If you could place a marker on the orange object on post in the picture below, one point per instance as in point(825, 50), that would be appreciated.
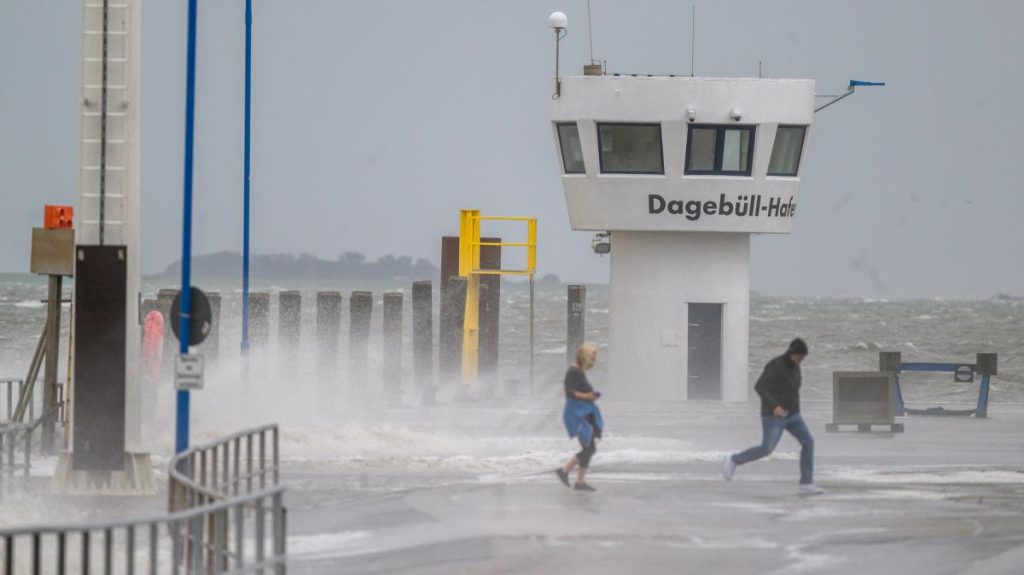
point(58, 217)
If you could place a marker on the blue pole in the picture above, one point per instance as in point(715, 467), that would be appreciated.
point(181, 429)
point(245, 179)
point(982, 410)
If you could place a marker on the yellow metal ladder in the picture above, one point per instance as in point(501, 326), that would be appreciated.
point(469, 268)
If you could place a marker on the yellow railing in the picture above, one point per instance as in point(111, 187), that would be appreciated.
point(469, 268)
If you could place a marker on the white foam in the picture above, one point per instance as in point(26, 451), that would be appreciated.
point(889, 494)
point(321, 544)
point(939, 476)
point(396, 448)
point(808, 561)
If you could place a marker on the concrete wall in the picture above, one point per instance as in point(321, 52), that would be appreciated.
point(654, 275)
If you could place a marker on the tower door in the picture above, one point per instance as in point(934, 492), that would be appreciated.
point(704, 357)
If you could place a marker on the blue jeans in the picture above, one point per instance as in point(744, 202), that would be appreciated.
point(773, 427)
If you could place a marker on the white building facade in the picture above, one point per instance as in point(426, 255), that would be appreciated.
point(681, 171)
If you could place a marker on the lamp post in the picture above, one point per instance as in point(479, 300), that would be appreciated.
point(181, 427)
point(245, 182)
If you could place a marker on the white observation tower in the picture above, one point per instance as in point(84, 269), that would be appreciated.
point(680, 171)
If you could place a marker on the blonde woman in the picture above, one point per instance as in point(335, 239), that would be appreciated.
point(581, 416)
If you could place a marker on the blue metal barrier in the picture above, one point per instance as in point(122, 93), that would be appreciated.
point(980, 411)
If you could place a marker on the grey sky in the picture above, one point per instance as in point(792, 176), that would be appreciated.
point(374, 122)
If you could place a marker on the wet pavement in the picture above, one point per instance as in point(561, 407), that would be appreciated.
point(947, 496)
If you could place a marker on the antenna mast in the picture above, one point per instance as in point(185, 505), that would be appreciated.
point(693, 34)
point(590, 33)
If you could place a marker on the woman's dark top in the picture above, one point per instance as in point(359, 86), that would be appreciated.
point(576, 380)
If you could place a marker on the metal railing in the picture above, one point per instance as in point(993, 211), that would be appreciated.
point(12, 392)
point(15, 452)
point(232, 467)
point(218, 521)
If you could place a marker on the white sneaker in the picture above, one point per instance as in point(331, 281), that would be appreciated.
point(728, 467)
point(808, 489)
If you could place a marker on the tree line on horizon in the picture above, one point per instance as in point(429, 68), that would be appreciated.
point(349, 265)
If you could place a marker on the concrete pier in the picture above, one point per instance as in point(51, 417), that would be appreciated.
point(328, 327)
point(164, 300)
point(392, 347)
point(454, 313)
point(211, 346)
point(360, 314)
point(490, 317)
point(423, 339)
point(449, 358)
point(289, 325)
point(259, 319)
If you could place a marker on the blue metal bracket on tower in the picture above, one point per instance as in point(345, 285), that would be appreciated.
point(850, 89)
point(855, 83)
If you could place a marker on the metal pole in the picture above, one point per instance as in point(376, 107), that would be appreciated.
point(575, 321)
point(558, 79)
point(25, 391)
point(50, 370)
point(181, 434)
point(531, 334)
point(245, 179)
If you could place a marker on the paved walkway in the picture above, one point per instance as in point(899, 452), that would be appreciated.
point(945, 497)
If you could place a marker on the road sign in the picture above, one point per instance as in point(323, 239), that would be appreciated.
point(188, 371)
point(963, 374)
point(201, 321)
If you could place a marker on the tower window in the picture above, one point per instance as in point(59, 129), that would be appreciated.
point(719, 150)
point(789, 143)
point(630, 148)
point(572, 152)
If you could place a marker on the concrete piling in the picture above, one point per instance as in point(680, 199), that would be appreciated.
point(575, 309)
point(289, 325)
point(328, 328)
point(392, 346)
point(164, 300)
point(451, 342)
point(148, 305)
point(423, 339)
point(449, 359)
point(259, 319)
point(490, 325)
point(360, 313)
point(211, 346)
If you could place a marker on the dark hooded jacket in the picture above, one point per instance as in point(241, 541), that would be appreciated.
point(779, 384)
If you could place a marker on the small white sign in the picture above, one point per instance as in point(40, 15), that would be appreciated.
point(188, 371)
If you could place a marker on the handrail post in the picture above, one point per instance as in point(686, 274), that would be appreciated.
point(239, 537)
point(280, 530)
point(258, 542)
point(277, 459)
point(263, 459)
point(9, 554)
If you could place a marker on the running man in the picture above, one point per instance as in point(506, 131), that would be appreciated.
point(779, 388)
point(581, 416)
